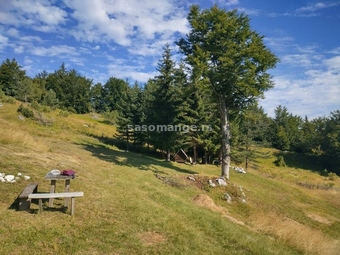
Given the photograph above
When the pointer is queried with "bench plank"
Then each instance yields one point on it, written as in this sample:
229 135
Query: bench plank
24 201
71 195
56 195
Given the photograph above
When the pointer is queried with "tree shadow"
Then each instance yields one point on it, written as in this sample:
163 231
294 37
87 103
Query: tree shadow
302 161
131 159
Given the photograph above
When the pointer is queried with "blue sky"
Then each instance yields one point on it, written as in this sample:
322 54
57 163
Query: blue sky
124 39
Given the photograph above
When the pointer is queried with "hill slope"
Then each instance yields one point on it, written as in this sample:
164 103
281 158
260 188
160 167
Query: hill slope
136 204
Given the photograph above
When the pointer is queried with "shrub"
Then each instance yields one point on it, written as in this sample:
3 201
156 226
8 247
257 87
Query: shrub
26 112
332 176
324 172
280 161
63 113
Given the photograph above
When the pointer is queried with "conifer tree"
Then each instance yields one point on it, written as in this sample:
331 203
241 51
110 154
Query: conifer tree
164 108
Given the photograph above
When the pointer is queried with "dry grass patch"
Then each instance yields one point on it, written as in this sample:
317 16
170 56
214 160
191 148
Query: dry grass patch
151 238
311 241
319 218
206 201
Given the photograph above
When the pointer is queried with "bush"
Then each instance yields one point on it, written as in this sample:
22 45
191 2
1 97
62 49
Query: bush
332 176
63 114
280 161
26 112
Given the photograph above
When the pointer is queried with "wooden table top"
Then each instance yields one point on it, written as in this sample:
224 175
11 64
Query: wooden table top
50 176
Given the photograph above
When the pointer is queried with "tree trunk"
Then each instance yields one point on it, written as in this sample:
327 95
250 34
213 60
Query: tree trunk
168 158
195 155
225 130
127 139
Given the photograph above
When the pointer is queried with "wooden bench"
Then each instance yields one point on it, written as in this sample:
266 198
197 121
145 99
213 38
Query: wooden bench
71 195
24 201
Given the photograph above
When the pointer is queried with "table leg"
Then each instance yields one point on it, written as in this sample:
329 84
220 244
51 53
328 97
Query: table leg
67 189
52 190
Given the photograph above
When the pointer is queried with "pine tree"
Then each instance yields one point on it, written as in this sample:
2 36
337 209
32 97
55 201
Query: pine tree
164 109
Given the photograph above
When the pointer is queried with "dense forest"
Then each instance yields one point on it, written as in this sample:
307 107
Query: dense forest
174 98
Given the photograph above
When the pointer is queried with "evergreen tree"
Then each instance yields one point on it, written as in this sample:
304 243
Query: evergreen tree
113 93
253 125
97 98
164 109
11 74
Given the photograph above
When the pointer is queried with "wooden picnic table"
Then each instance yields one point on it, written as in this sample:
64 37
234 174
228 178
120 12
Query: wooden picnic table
54 178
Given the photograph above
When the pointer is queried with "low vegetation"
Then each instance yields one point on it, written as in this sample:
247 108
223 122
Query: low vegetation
137 204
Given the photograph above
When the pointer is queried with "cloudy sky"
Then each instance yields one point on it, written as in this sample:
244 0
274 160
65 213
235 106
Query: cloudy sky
124 39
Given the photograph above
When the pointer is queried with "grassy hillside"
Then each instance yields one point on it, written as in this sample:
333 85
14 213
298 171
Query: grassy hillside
136 204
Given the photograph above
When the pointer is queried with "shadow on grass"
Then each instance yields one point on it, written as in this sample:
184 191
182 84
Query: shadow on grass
302 161
58 205
131 159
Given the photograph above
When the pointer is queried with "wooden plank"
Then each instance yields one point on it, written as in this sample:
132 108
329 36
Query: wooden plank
32 187
52 190
24 201
56 195
67 189
72 205
40 205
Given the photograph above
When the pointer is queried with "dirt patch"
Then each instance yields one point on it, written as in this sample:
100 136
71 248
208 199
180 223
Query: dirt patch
207 202
151 238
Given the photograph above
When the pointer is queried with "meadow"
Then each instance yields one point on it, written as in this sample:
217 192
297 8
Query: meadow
138 204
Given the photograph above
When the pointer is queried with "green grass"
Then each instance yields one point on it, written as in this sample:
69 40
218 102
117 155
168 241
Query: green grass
127 210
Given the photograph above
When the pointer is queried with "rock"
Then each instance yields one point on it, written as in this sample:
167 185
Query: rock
211 184
2 179
221 181
27 177
239 170
10 178
228 197
243 200
191 178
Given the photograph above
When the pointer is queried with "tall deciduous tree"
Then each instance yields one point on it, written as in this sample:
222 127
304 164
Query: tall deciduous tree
223 49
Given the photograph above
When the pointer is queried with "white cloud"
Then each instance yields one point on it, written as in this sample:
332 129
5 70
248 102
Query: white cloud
333 64
19 49
311 96
316 6
55 50
3 40
125 22
32 13
133 73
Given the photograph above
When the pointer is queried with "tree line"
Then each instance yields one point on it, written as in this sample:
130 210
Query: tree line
217 84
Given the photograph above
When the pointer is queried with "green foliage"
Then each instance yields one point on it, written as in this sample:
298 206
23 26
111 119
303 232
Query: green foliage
63 114
222 49
11 75
6 99
332 176
50 99
25 111
111 117
165 106
280 161
72 90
